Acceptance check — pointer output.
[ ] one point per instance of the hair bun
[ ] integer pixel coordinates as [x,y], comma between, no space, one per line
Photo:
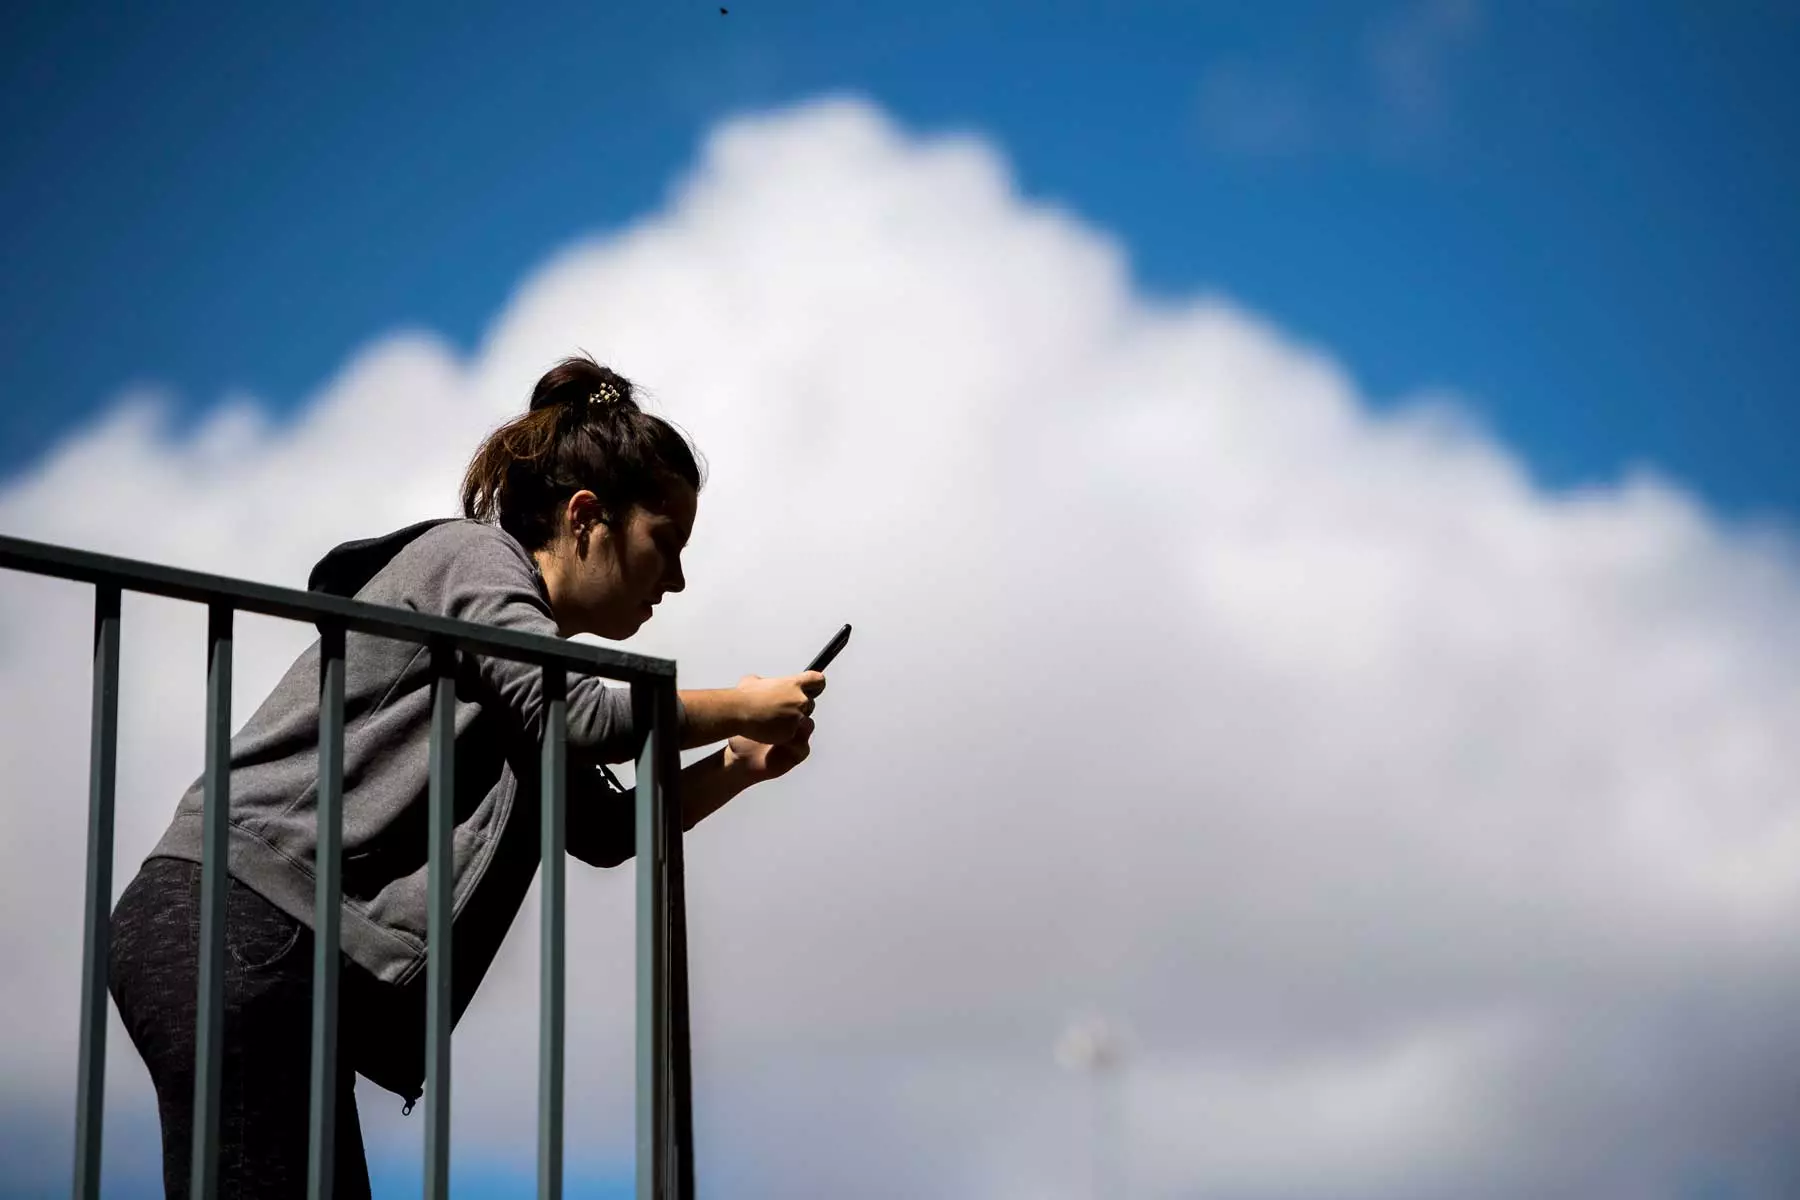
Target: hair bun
[583,388]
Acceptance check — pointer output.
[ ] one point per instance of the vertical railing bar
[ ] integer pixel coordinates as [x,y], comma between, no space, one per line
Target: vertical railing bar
[652,1095]
[327,917]
[681,1120]
[440,889]
[551,951]
[209,1039]
[103,760]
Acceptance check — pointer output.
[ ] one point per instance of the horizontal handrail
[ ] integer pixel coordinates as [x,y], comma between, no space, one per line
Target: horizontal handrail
[404,624]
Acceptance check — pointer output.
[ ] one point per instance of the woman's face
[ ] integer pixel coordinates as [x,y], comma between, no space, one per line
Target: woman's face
[611,580]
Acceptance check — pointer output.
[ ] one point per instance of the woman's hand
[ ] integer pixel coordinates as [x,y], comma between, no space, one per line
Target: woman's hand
[772,711]
[755,761]
[711,783]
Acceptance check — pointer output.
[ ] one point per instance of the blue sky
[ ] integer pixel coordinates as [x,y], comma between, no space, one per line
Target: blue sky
[1577,215]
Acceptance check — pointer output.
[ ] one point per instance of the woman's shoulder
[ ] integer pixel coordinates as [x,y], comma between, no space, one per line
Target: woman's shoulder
[461,534]
[395,567]
[472,570]
[463,546]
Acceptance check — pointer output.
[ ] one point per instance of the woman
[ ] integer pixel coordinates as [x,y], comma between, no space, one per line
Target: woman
[575,516]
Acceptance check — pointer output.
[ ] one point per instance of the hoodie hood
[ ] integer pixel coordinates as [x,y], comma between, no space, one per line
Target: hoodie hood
[349,567]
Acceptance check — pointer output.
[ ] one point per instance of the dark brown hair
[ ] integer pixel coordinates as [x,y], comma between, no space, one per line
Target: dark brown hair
[583,430]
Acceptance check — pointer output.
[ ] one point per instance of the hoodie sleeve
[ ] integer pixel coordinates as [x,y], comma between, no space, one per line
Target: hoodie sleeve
[490,581]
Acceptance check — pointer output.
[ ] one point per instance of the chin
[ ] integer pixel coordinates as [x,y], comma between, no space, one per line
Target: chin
[624,627]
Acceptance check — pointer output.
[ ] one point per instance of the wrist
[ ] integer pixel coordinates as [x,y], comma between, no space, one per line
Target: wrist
[712,715]
[735,769]
[739,711]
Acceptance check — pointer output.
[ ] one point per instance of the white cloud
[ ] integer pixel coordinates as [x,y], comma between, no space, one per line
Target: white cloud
[1426,827]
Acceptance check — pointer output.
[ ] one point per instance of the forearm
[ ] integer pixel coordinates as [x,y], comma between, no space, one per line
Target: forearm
[710,715]
[707,785]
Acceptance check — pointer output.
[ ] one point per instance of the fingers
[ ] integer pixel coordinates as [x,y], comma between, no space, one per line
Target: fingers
[781,754]
[800,729]
[799,746]
[774,708]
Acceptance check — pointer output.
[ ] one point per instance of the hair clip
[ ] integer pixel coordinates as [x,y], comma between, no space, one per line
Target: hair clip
[605,397]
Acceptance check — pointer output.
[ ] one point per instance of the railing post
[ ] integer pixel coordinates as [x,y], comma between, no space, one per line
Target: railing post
[327,917]
[664,1158]
[551,950]
[652,954]
[97,932]
[209,1030]
[681,1116]
[440,897]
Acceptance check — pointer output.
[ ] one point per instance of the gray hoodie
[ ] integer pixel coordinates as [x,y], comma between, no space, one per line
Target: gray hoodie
[460,569]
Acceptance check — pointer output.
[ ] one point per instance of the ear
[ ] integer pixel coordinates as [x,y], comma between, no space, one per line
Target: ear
[583,515]
[583,511]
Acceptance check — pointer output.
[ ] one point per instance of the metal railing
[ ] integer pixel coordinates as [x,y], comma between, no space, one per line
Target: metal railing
[664,1115]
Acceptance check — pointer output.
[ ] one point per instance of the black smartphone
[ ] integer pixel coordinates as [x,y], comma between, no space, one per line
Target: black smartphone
[823,658]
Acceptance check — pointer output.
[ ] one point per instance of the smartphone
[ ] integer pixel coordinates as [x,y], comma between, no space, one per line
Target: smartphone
[823,658]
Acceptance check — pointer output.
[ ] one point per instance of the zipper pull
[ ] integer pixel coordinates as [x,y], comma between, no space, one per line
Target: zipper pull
[406,1109]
